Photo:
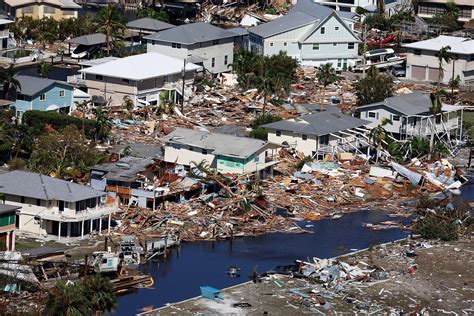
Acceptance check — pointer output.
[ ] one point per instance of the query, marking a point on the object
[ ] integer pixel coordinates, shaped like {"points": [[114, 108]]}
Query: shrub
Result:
{"points": [[259, 133], [37, 120], [432, 227]]}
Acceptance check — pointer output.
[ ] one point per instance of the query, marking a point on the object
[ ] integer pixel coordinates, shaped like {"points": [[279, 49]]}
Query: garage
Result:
{"points": [[433, 74], [418, 72]]}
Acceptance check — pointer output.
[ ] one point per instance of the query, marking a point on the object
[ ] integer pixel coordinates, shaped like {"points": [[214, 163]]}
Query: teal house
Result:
{"points": [[43, 95]]}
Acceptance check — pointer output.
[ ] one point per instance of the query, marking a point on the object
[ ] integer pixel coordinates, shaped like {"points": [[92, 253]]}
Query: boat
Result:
{"points": [[380, 58], [129, 252], [105, 261]]}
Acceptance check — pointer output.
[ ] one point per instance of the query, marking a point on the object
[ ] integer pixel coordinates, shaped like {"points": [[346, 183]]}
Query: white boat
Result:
{"points": [[380, 58]]}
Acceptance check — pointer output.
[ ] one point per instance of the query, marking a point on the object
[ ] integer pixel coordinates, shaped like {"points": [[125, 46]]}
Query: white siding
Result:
{"points": [[295, 140]]}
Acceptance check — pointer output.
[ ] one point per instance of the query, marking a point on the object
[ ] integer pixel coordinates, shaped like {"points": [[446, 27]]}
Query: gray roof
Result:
{"points": [[415, 103], [191, 34], [141, 150], [38, 186], [125, 169], [220, 144], [304, 12], [33, 85], [321, 123], [89, 40], [7, 208], [149, 24], [239, 31]]}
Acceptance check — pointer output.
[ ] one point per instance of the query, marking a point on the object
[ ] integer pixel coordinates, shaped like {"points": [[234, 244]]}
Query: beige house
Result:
{"points": [[428, 8], [38, 9], [52, 208], [144, 78], [321, 133], [225, 153], [422, 63]]}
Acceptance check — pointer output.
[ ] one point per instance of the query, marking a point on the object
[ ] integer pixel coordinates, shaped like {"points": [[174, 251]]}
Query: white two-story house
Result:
{"points": [[54, 208], [311, 33], [411, 116], [201, 43]]}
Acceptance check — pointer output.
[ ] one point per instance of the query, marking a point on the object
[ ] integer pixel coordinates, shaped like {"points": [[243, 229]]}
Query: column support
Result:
{"points": [[82, 230], [108, 226], [13, 240], [92, 226], [100, 226], [59, 230], [8, 241], [69, 229]]}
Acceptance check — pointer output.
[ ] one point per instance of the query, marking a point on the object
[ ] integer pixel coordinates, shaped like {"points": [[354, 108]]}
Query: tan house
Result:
{"points": [[422, 63], [38, 9], [145, 78]]}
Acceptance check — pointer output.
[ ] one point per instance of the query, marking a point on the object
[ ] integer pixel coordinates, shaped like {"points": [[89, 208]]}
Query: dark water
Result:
{"points": [[205, 263]]}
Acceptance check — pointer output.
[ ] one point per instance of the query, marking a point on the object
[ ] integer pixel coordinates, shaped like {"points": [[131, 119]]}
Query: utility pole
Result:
{"points": [[364, 47], [182, 91]]}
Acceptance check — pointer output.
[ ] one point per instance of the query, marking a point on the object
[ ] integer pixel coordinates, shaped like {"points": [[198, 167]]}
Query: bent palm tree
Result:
{"points": [[104, 124], [110, 21], [378, 136], [326, 75], [443, 55], [44, 69], [9, 81]]}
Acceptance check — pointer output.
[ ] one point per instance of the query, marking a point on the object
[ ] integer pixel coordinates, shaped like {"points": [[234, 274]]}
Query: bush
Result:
{"points": [[259, 133], [432, 227], [37, 120], [263, 119]]}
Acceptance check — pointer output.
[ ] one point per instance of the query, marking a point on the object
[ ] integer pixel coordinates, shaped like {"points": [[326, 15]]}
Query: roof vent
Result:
{"points": [[123, 165]]}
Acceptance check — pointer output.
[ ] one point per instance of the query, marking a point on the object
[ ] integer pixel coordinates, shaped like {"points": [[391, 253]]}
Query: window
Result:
{"points": [[350, 45], [22, 199], [438, 119], [204, 151], [38, 202], [190, 148], [61, 93], [175, 45], [28, 9], [42, 97], [99, 77], [215, 42], [395, 118], [225, 60], [48, 9], [153, 42], [323, 30], [257, 159], [213, 63], [372, 114], [284, 44], [68, 12], [334, 44], [304, 137], [417, 52], [278, 133], [125, 81], [339, 63], [336, 28], [324, 139], [315, 46], [271, 43]]}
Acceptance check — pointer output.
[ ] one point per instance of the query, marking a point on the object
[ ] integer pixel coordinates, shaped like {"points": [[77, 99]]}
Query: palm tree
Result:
{"points": [[454, 84], [104, 124], [378, 136], [443, 55], [44, 69], [68, 299], [9, 81], [111, 21], [326, 75], [435, 109], [100, 293]]}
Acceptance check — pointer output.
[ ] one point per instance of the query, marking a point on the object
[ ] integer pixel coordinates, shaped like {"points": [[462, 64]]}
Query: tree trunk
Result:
{"points": [[432, 137], [379, 148], [264, 108], [107, 40]]}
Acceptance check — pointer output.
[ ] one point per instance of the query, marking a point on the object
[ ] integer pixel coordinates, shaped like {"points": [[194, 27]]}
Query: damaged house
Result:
{"points": [[321, 133], [53, 207], [225, 153], [311, 33], [411, 116]]}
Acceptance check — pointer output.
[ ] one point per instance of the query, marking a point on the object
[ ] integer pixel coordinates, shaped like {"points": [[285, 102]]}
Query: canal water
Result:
{"points": [[205, 263]]}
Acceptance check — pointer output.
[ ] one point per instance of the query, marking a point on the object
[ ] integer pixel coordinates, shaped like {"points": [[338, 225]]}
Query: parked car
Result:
{"points": [[399, 71]]}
